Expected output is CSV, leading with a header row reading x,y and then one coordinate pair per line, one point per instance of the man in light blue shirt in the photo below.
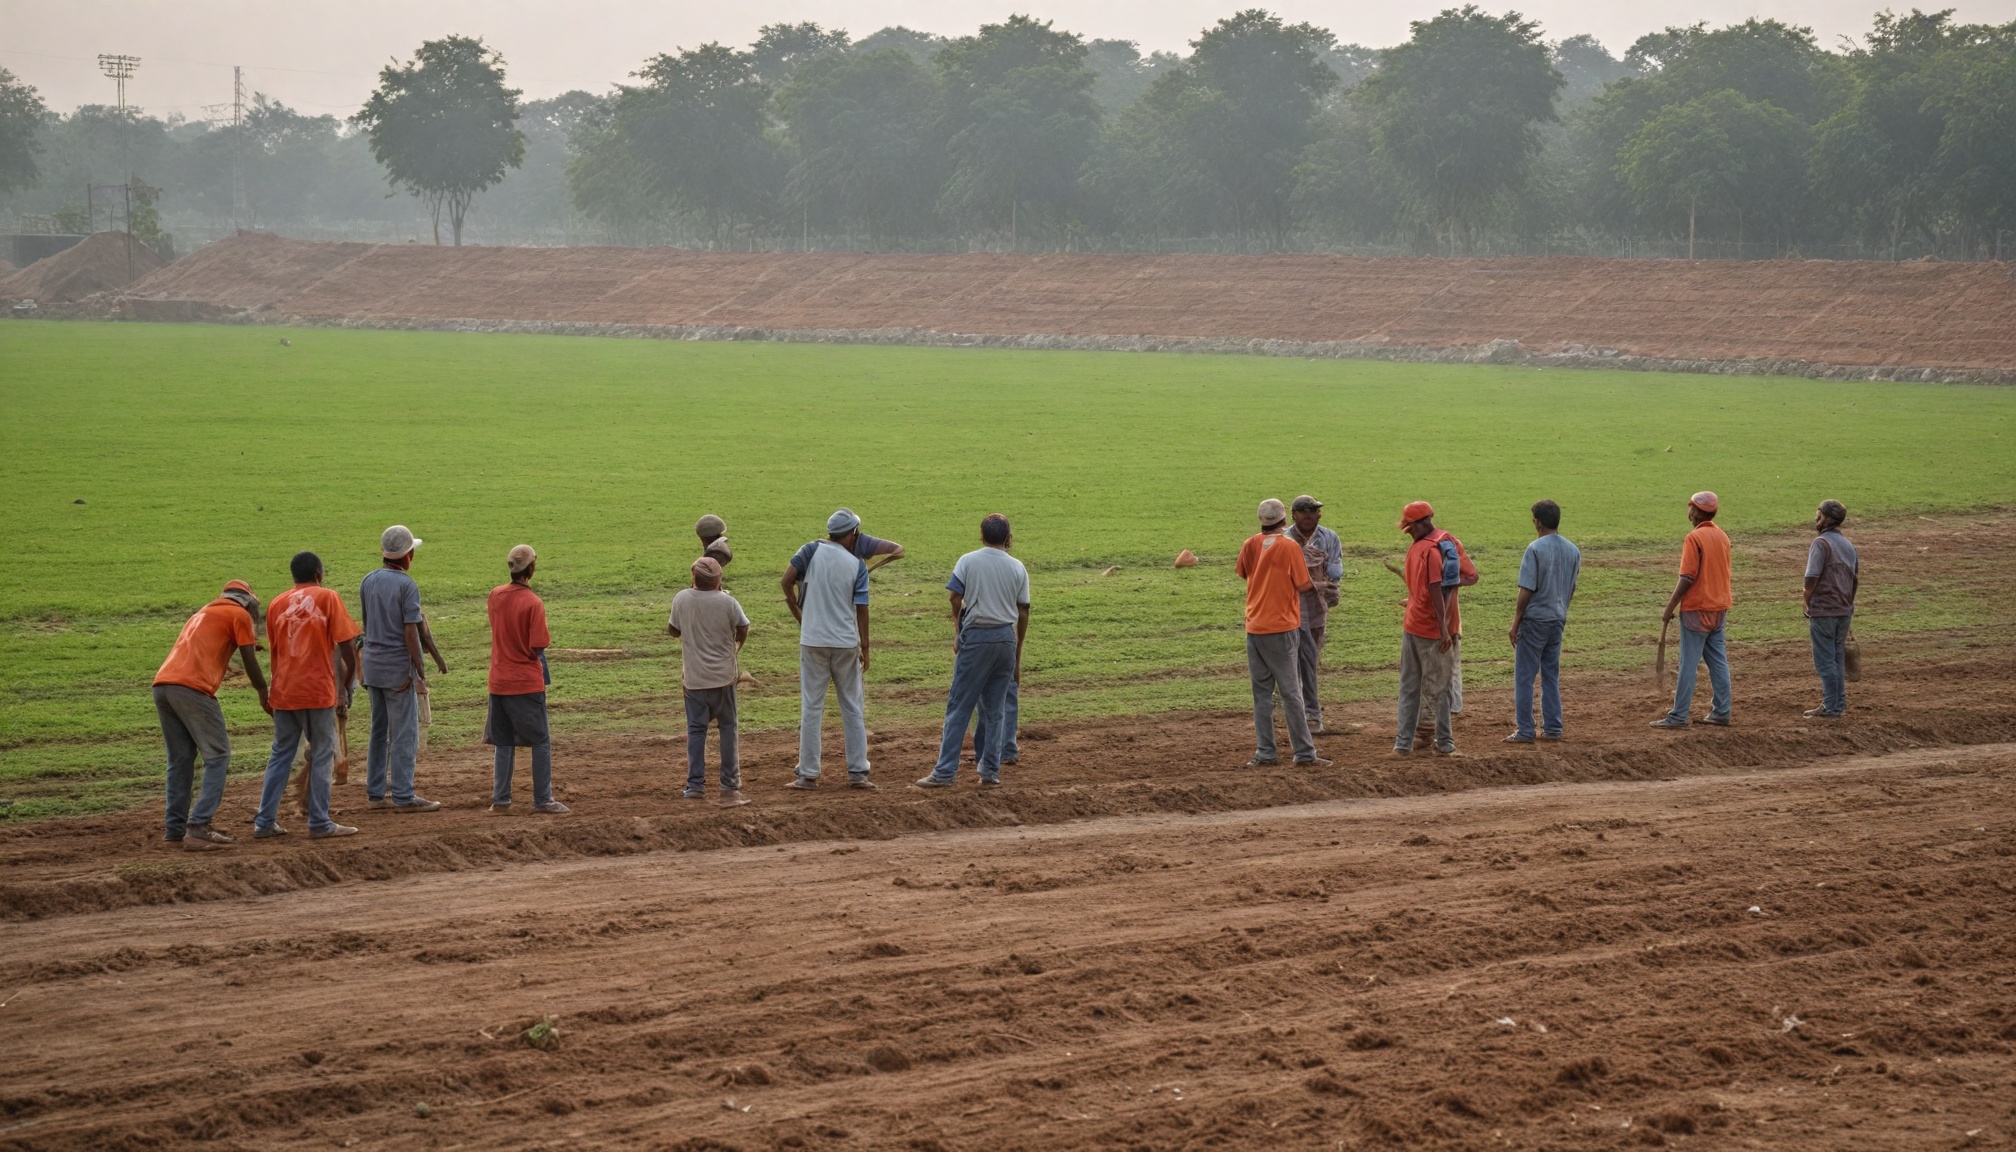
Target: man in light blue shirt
x,y
990,610
393,675
1547,575
826,588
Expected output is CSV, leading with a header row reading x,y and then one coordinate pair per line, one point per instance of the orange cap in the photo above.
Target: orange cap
x,y
1705,501
238,586
1418,510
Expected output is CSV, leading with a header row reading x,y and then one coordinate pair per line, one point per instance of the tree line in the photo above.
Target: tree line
x,y
1475,134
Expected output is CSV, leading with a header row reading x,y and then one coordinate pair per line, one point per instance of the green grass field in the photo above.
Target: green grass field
x,y
144,465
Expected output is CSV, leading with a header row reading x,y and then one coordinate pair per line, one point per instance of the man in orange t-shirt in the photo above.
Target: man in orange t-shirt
x,y
1702,598
517,718
312,637
1276,575
1436,567
192,722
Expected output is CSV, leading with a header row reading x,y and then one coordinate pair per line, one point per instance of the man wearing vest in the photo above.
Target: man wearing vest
x,y
1276,574
192,722
1702,599
1832,572
1323,552
1436,567
826,588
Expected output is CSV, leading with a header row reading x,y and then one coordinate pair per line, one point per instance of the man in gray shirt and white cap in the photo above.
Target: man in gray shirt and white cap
x,y
826,588
394,674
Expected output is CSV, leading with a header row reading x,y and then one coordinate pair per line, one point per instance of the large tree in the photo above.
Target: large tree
x,y
1977,149
695,133
444,125
1457,109
1263,80
781,49
21,114
1019,120
1730,155
863,125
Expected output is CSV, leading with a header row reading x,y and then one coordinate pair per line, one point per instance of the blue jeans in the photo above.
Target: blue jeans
x,y
1694,648
192,725
395,743
716,706
1538,654
981,676
1830,659
289,726
840,667
505,761
1011,720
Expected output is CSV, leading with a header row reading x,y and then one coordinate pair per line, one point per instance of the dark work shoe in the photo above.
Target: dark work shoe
x,y
933,782
380,802
1810,714
732,798
418,804
803,783
1668,722
1516,738
208,834
551,808
861,782
694,794
333,830
1552,736
1263,762
1314,762
1722,723
268,832
993,783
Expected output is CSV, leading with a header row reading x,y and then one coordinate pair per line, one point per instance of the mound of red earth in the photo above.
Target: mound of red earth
x,y
1936,315
101,263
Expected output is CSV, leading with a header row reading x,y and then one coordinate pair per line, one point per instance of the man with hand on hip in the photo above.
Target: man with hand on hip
x,y
989,590
394,675
826,588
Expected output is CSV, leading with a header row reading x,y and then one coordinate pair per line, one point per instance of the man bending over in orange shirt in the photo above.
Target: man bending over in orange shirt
x,y
192,722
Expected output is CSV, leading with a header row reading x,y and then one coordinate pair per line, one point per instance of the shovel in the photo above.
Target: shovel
x,y
1659,663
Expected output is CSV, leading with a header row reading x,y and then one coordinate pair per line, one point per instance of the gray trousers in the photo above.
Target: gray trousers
x,y
715,706
1308,652
192,725
840,667
1424,684
1270,660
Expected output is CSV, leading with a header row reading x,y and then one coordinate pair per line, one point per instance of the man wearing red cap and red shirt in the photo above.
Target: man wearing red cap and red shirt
x,y
1702,598
1436,566
192,722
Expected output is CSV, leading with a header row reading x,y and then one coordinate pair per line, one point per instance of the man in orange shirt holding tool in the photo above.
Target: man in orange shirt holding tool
x,y
1276,575
1702,598
1436,567
311,634
192,722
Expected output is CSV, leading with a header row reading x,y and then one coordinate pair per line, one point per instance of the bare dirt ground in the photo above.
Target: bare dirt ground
x,y
1809,957
1935,315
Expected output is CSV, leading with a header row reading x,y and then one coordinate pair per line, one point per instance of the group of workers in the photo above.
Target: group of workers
x,y
1292,568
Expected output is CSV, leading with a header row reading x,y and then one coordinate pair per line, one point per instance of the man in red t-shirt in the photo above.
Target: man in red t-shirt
x,y
518,643
192,722
1702,598
1276,575
1435,569
312,636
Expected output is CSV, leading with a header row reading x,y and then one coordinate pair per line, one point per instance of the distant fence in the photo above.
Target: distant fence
x,y
191,234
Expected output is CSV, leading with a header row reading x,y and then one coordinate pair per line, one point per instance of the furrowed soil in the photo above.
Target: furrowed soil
x,y
1844,313
1786,934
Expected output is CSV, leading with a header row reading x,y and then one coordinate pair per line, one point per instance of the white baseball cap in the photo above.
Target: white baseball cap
x,y
397,541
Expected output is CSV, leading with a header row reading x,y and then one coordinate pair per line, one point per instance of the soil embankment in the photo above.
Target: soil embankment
x,y
1931,320
104,262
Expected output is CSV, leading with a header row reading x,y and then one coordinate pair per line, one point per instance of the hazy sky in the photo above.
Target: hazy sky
x,y
322,55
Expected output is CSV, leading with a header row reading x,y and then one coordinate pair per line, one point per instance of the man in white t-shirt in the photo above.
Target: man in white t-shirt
x,y
711,629
990,611
826,588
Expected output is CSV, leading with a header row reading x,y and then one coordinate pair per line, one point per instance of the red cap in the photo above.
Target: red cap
x,y
1705,501
1418,510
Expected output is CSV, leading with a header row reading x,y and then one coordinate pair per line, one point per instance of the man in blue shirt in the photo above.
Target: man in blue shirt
x,y
826,588
1547,575
1323,552
393,675
990,612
